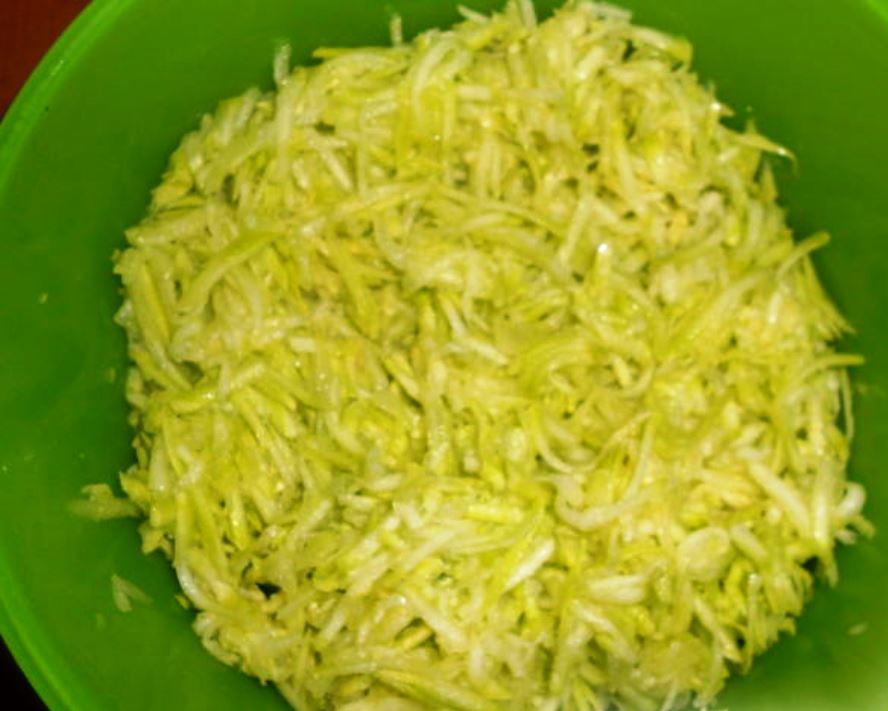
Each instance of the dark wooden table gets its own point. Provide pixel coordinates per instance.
(27, 29)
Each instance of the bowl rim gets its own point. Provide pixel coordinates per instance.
(50, 74)
(29, 643)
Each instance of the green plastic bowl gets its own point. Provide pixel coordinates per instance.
(90, 135)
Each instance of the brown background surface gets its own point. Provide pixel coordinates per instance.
(27, 29)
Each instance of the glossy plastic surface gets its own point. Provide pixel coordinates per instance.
(89, 137)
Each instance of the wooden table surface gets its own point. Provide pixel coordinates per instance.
(27, 29)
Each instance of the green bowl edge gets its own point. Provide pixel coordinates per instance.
(19, 636)
(40, 87)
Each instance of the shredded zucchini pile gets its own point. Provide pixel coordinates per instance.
(483, 372)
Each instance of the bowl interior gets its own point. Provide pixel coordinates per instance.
(89, 137)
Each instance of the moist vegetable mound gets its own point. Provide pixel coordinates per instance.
(482, 371)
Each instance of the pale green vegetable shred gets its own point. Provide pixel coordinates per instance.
(482, 371)
(124, 593)
(100, 504)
